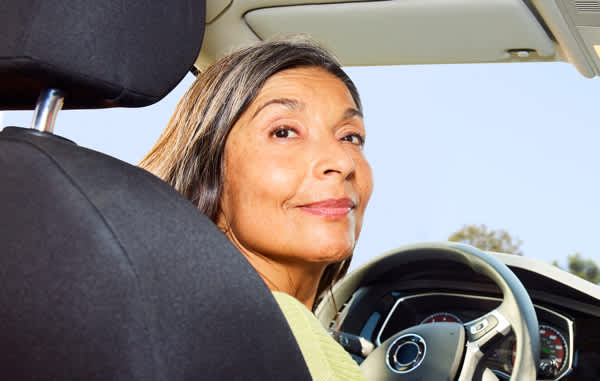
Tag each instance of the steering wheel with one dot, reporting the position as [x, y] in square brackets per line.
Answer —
[448, 351]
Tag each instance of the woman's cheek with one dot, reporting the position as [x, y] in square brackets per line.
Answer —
[280, 173]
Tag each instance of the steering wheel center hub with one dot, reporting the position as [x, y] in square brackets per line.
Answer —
[406, 353]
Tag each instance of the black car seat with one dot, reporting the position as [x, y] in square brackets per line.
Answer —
[106, 273]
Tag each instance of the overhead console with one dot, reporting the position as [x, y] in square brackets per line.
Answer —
[400, 32]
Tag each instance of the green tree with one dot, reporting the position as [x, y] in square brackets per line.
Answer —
[489, 240]
[583, 268]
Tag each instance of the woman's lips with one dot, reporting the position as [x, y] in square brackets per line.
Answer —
[330, 208]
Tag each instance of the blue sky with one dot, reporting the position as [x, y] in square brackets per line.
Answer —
[512, 146]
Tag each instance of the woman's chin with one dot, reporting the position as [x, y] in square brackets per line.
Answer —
[332, 241]
[330, 251]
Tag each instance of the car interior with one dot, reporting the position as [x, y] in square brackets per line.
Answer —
[109, 273]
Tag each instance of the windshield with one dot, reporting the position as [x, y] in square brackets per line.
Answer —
[511, 146]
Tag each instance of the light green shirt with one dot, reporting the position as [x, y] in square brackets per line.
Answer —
[326, 359]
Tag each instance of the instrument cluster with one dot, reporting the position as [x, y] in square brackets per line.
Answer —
[556, 330]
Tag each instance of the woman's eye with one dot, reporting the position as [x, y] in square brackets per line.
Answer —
[284, 132]
[354, 139]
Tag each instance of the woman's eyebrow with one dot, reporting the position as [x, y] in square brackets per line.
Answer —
[352, 112]
[292, 104]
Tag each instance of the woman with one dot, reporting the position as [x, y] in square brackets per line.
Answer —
[268, 144]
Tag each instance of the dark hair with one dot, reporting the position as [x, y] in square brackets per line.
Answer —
[189, 153]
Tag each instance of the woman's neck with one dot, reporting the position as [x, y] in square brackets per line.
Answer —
[299, 280]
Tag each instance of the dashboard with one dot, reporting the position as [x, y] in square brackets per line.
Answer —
[567, 309]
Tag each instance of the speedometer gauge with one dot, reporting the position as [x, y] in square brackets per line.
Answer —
[441, 317]
[553, 347]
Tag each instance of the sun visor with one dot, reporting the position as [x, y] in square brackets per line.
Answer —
[413, 31]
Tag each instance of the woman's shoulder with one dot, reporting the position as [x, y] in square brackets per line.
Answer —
[326, 359]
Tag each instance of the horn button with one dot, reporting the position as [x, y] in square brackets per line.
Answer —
[406, 353]
[423, 352]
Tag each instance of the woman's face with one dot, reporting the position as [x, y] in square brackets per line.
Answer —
[296, 182]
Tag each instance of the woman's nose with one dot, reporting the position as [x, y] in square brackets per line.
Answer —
[333, 159]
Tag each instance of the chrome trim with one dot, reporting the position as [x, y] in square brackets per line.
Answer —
[571, 349]
[48, 105]
[409, 338]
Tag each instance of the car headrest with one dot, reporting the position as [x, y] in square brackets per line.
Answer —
[99, 53]
[107, 273]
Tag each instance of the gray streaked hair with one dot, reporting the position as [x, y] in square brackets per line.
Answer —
[189, 154]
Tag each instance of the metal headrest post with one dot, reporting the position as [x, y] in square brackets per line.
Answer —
[48, 105]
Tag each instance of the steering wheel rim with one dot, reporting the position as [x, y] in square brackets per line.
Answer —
[516, 311]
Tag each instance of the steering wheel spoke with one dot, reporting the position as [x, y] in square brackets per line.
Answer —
[482, 333]
[482, 330]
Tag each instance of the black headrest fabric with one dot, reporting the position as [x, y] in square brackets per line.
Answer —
[100, 53]
[107, 273]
